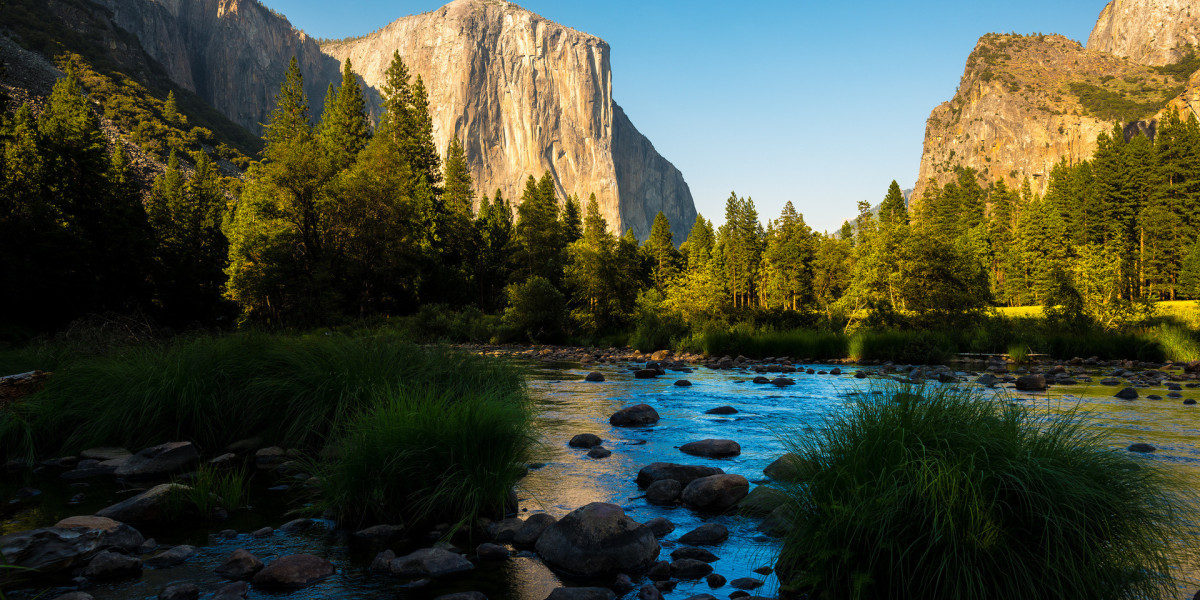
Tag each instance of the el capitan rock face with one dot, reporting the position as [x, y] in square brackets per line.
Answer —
[524, 94]
[527, 95]
[1150, 32]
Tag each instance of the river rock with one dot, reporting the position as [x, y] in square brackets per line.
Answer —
[683, 383]
[689, 568]
[715, 580]
[761, 501]
[295, 525]
[149, 505]
[634, 416]
[379, 533]
[785, 469]
[293, 572]
[646, 373]
[1189, 402]
[463, 596]
[664, 492]
[488, 551]
[599, 452]
[429, 562]
[684, 474]
[747, 583]
[594, 376]
[702, 596]
[783, 381]
[506, 530]
[50, 549]
[112, 534]
[74, 596]
[721, 410]
[761, 380]
[1142, 448]
[171, 557]
[660, 526]
[270, 457]
[159, 461]
[232, 591]
[585, 440]
[712, 448]
[239, 565]
[245, 446]
[105, 453]
[598, 539]
[532, 529]
[987, 380]
[708, 534]
[778, 523]
[180, 591]
[715, 493]
[1127, 394]
[1031, 383]
[581, 593]
[693, 553]
[383, 560]
[112, 565]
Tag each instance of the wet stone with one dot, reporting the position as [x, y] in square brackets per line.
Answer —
[664, 492]
[1141, 448]
[585, 440]
[721, 410]
[746, 583]
[180, 591]
[708, 534]
[694, 554]
[581, 593]
[660, 526]
[599, 452]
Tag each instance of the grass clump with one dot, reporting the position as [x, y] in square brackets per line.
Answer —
[393, 464]
[209, 489]
[938, 493]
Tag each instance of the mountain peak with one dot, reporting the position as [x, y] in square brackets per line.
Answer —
[1149, 32]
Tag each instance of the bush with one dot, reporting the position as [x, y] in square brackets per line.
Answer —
[939, 493]
[919, 347]
[536, 310]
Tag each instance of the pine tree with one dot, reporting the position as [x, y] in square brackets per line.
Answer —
[894, 206]
[345, 128]
[170, 110]
[422, 150]
[539, 231]
[572, 224]
[495, 229]
[787, 261]
[660, 252]
[593, 276]
[699, 244]
[290, 120]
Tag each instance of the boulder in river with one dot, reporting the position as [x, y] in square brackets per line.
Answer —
[694, 554]
[113, 534]
[661, 527]
[109, 565]
[634, 416]
[1127, 394]
[240, 565]
[664, 492]
[646, 373]
[690, 568]
[429, 562]
[150, 505]
[684, 474]
[1142, 447]
[532, 529]
[159, 461]
[712, 448]
[1031, 383]
[595, 377]
[721, 410]
[786, 468]
[598, 539]
[585, 440]
[180, 591]
[761, 501]
[50, 550]
[293, 572]
[599, 452]
[708, 534]
[170, 557]
[715, 493]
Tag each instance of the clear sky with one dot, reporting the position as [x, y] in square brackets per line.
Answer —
[822, 103]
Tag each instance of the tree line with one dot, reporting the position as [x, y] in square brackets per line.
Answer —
[343, 218]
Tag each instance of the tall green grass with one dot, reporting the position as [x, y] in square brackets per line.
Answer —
[291, 391]
[760, 344]
[422, 457]
[941, 494]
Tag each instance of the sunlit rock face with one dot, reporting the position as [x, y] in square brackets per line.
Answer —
[1150, 32]
[524, 94]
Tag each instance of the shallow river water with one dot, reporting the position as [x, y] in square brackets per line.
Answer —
[569, 479]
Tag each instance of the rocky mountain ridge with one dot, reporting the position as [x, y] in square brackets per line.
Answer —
[524, 94]
[1027, 102]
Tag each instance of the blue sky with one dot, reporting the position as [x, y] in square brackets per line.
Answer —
[820, 103]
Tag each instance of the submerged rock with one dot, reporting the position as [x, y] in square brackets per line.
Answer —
[712, 448]
[1142, 447]
[111, 565]
[715, 493]
[694, 554]
[171, 557]
[1127, 394]
[585, 440]
[599, 452]
[664, 492]
[594, 376]
[598, 539]
[293, 572]
[721, 410]
[1031, 383]
[708, 534]
[660, 526]
[684, 474]
[240, 565]
[180, 591]
[429, 562]
[581, 593]
[634, 416]
[690, 568]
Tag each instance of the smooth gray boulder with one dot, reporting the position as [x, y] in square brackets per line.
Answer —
[715, 493]
[634, 416]
[664, 492]
[761, 501]
[113, 534]
[660, 526]
[159, 461]
[712, 448]
[690, 568]
[532, 529]
[180, 591]
[112, 565]
[708, 534]
[429, 562]
[693, 553]
[684, 474]
[598, 539]
[585, 440]
[293, 572]
[786, 468]
[150, 505]
[239, 565]
[170, 557]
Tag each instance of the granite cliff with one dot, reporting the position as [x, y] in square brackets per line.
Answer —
[1027, 102]
[524, 94]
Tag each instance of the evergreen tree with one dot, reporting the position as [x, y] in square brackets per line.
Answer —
[894, 207]
[539, 231]
[742, 241]
[572, 224]
[454, 241]
[660, 252]
[345, 128]
[496, 233]
[421, 147]
[787, 261]
[593, 277]
[170, 110]
[699, 245]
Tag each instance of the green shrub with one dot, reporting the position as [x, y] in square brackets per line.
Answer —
[536, 310]
[210, 488]
[919, 347]
[939, 493]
